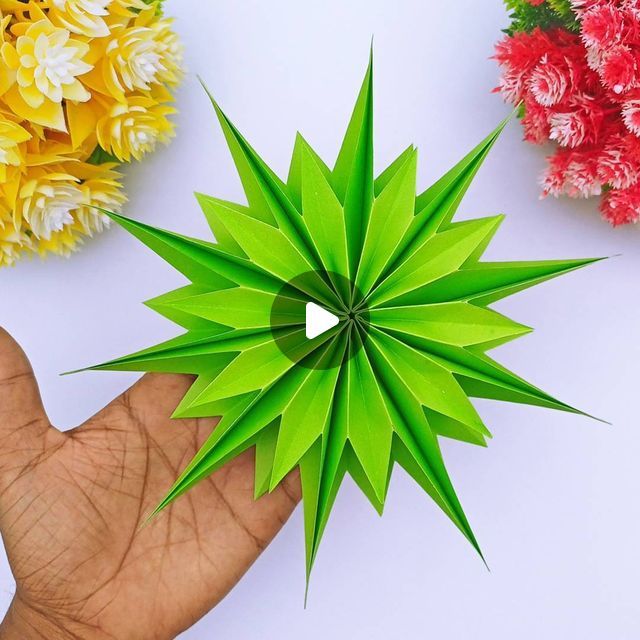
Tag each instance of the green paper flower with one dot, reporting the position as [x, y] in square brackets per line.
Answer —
[397, 371]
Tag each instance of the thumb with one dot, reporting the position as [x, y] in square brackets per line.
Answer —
[23, 421]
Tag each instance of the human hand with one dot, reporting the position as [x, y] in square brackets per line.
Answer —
[71, 506]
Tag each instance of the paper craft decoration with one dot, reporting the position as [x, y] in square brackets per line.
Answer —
[571, 67]
[85, 86]
[395, 374]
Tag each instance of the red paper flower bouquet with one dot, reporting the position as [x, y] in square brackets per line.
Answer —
[573, 66]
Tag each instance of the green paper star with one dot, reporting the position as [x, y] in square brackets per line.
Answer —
[397, 371]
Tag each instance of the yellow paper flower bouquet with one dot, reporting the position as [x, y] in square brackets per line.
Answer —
[84, 86]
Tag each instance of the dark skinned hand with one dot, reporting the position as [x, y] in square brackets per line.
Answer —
[72, 505]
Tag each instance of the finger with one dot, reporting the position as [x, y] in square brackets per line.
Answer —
[225, 502]
[148, 406]
[234, 527]
[152, 401]
[220, 515]
[23, 421]
[154, 398]
[260, 519]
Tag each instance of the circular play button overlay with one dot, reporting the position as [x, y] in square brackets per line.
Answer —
[319, 320]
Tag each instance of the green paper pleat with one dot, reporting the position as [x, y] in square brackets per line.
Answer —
[410, 349]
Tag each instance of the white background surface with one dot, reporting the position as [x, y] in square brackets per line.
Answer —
[554, 500]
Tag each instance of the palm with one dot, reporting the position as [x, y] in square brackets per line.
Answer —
[72, 506]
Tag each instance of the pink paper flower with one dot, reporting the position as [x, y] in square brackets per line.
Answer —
[582, 91]
[520, 53]
[619, 69]
[553, 180]
[621, 206]
[581, 176]
[631, 116]
[602, 25]
[535, 122]
[550, 81]
[579, 124]
[512, 86]
[571, 173]
[619, 162]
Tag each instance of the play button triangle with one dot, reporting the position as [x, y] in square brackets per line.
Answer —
[318, 320]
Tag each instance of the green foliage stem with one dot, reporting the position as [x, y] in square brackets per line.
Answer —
[548, 15]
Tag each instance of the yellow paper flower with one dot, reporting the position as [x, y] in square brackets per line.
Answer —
[46, 61]
[82, 82]
[12, 135]
[128, 7]
[85, 17]
[170, 49]
[61, 243]
[140, 56]
[134, 128]
[12, 243]
[46, 202]
[101, 190]
[132, 61]
[61, 208]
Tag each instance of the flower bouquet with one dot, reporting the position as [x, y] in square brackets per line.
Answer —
[84, 86]
[573, 66]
